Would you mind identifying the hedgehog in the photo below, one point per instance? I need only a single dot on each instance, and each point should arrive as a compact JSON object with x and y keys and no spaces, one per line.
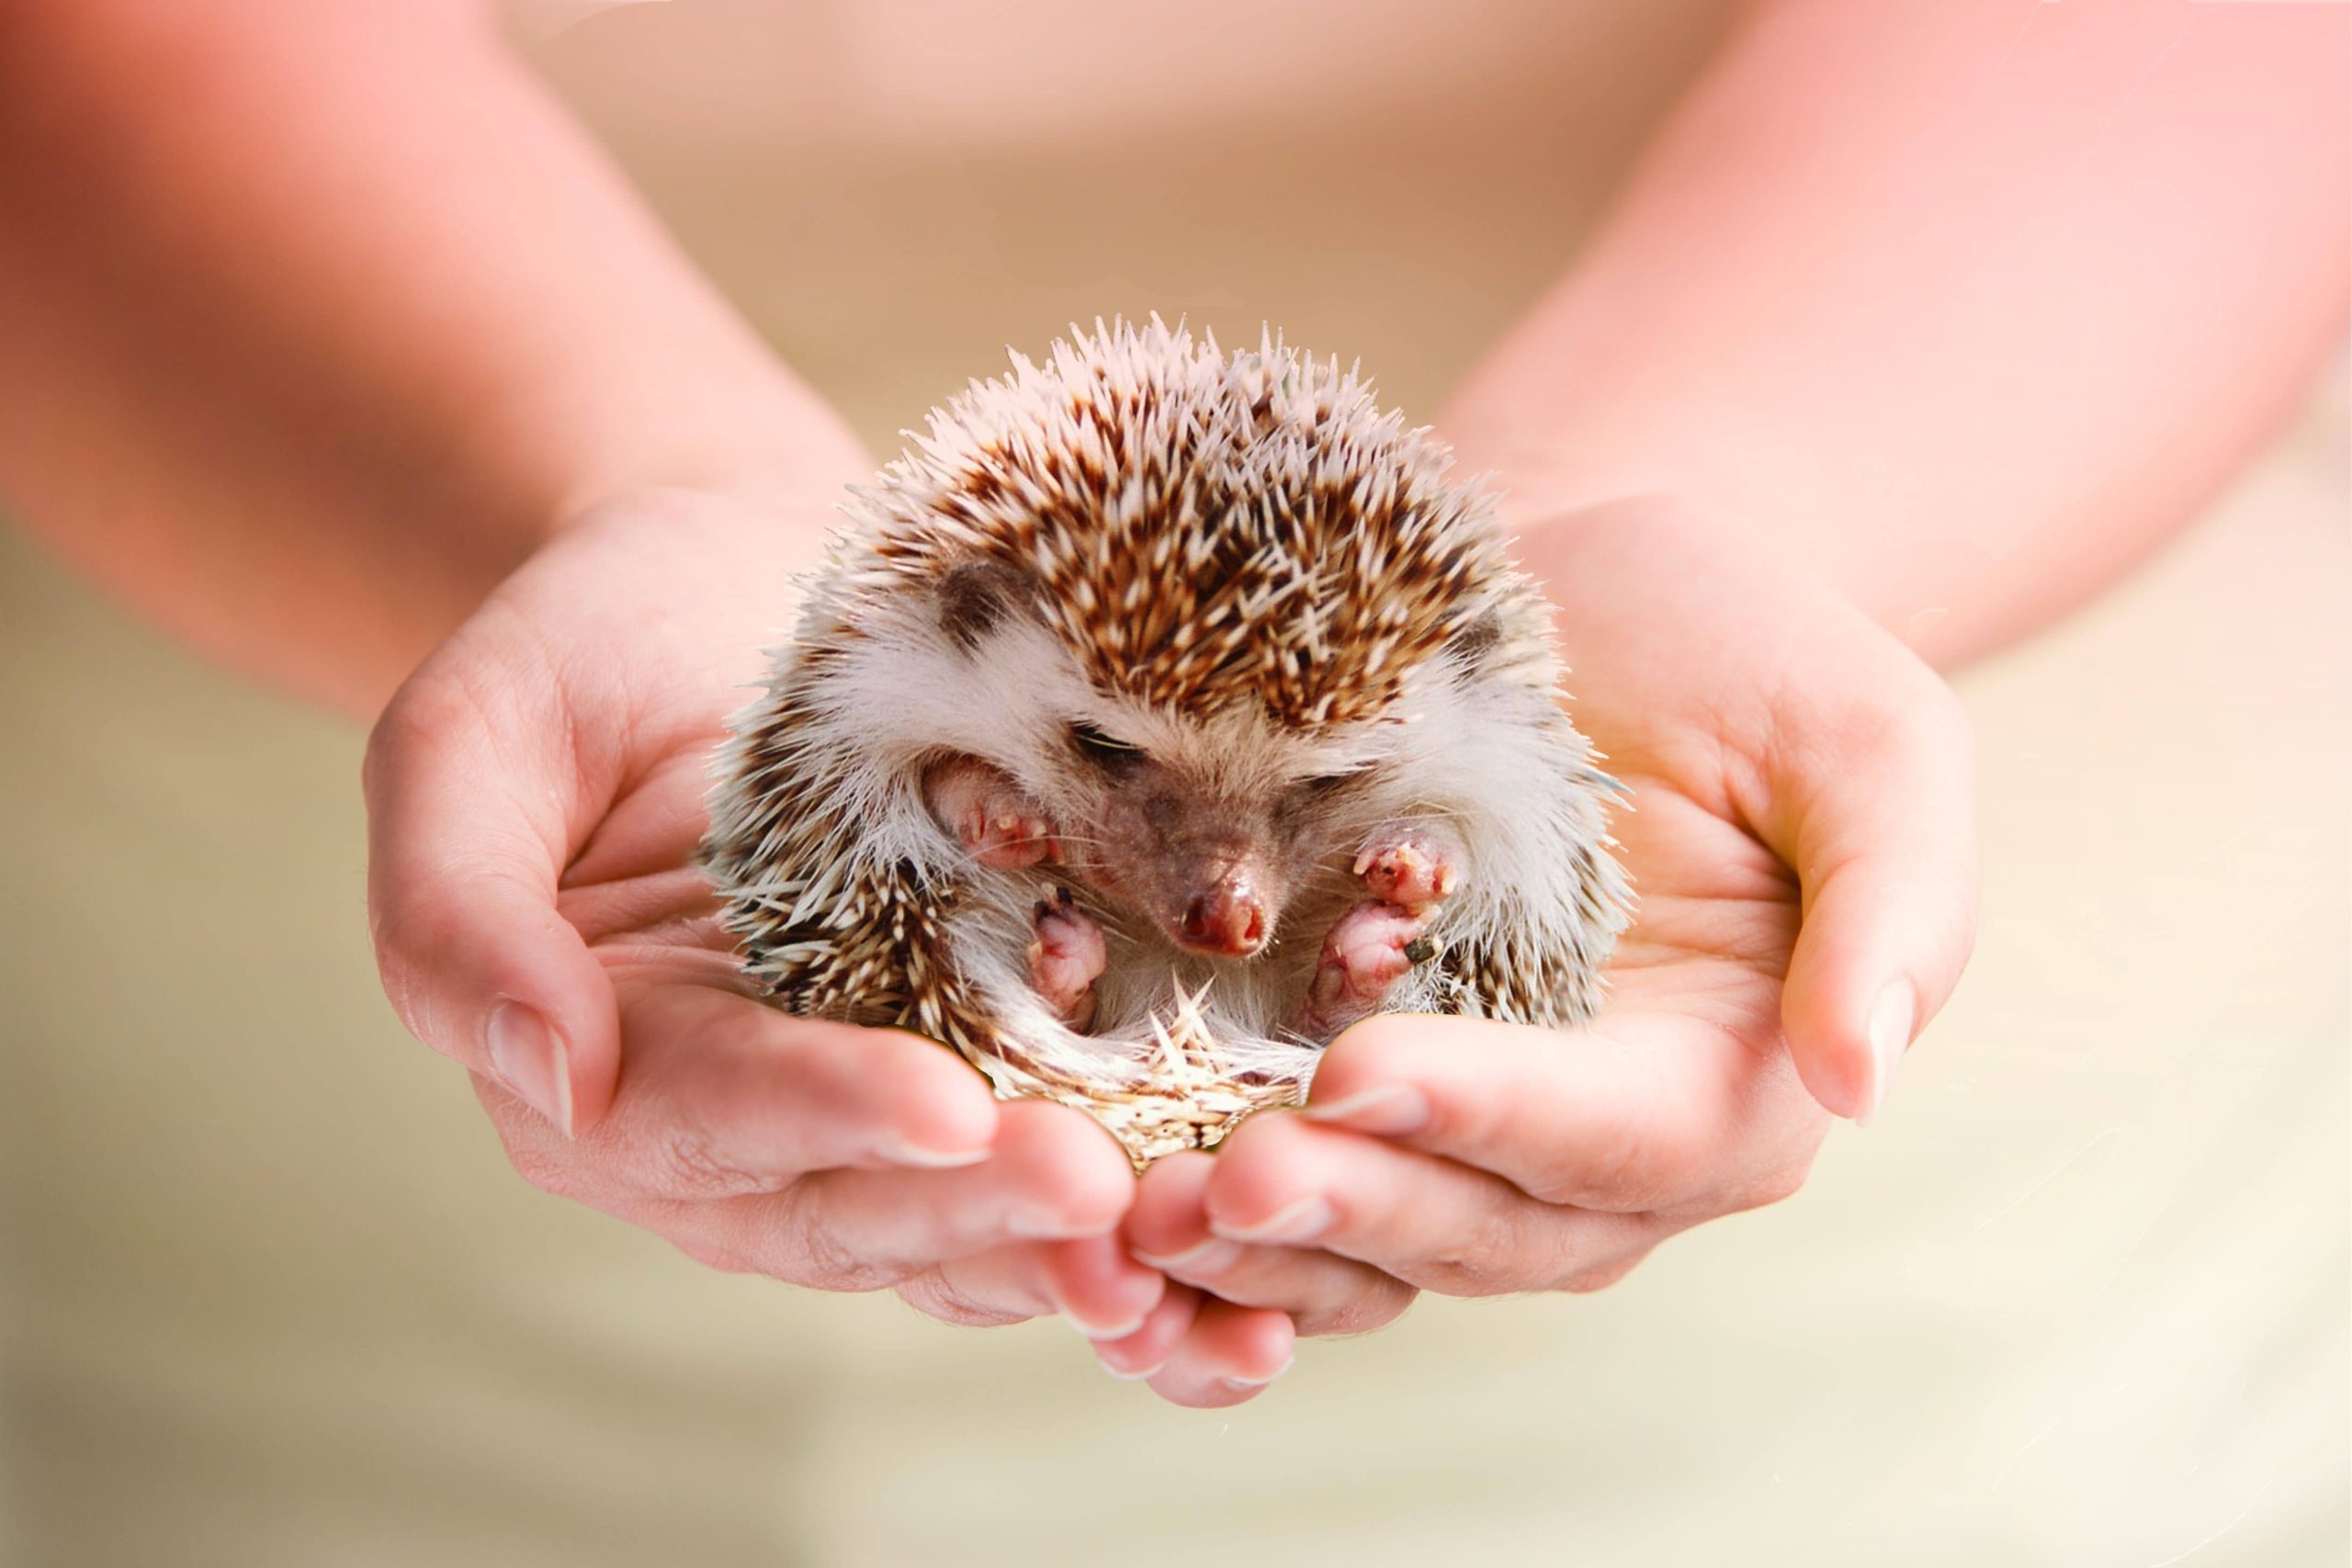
{"x":1155,"y":717}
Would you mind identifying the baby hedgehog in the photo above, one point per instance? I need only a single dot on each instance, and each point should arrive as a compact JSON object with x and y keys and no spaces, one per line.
{"x":1157,"y":717}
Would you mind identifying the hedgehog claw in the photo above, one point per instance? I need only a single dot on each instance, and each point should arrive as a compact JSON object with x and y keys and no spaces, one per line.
{"x":1067,"y":955}
{"x":1365,"y":951}
{"x":1411,"y":866}
{"x":996,"y":824}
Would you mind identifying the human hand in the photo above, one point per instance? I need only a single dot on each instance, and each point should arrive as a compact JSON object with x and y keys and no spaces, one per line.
{"x":535,"y":798}
{"x":1800,"y":840}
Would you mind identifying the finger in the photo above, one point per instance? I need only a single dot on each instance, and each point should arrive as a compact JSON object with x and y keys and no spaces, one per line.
{"x":1322,"y":1292}
{"x":1092,"y":1283}
{"x":721,"y":1095}
{"x":987,"y":1289}
{"x":1168,"y":1220}
{"x":470,"y":797}
{"x":1102,"y":1291}
{"x":1882,"y":832}
{"x":1051,"y":1174}
{"x":1228,"y":1356}
{"x":1140,"y":1355}
{"x":1281,"y":1181}
{"x":1630,"y":1114}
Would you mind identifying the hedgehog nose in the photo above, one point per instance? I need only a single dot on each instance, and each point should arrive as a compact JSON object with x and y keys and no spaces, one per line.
{"x":1227,"y":919}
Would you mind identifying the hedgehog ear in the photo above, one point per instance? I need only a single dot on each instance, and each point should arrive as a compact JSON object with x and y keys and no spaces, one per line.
{"x":976,"y":597}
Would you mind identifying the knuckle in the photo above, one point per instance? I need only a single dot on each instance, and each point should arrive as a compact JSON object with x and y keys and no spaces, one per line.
{"x":1622,"y":1165}
{"x":1361,"y":1312}
{"x":1472,"y":1260}
{"x":412,"y":913}
{"x":1450,"y":1274}
{"x":811,"y":1251}
{"x":390,"y":739}
{"x":1773,"y":1183}
{"x":415,"y":723}
{"x":686,"y":1160}
{"x":710,"y":1254}
{"x":408,"y":986}
{"x":1921,"y":718}
{"x":546,"y":1169}
{"x":1892,"y":710}
{"x":1938,"y":721}
{"x":409,"y":927}
{"x":1219,"y":1274}
{"x":934,"y":1295}
{"x":1585,"y":1281}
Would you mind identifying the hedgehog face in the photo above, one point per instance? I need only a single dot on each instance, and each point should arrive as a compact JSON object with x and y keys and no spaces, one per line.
{"x":1203,"y":824}
{"x":1171,"y":832}
{"x":1159,"y":594}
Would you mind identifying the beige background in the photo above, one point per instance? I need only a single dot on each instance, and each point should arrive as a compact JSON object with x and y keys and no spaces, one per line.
{"x":268,"y":1295}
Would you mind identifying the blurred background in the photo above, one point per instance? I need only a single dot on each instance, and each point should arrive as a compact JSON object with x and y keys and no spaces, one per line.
{"x":269,"y":1294}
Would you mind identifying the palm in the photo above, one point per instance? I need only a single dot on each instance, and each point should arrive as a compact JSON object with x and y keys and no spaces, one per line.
{"x":538,"y":799}
{"x":1796,"y":828}
{"x":1713,"y":930}
{"x":1769,"y":736}
{"x":645,"y":672}
{"x":635,"y":894}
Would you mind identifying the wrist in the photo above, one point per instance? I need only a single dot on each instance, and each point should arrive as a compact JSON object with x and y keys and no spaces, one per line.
{"x":1595,"y":546}
{"x":765,"y":442}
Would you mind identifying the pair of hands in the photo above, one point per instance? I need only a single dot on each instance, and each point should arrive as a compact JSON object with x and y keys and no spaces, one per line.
{"x":1798,"y":836}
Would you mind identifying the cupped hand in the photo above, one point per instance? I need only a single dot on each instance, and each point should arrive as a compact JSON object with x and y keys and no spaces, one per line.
{"x":536,"y":796}
{"x":1800,"y":831}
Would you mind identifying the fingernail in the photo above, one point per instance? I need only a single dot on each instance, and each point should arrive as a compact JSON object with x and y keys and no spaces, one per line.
{"x":1213,"y":1255}
{"x":1391,"y":1110}
{"x":1137,"y":1376}
{"x":898,"y":1151}
{"x":1259,"y":1382}
{"x":1053,"y":1227}
{"x":1103,"y":1332}
{"x":1891,"y":1018}
{"x":1301,"y":1222}
{"x":530,"y":1059}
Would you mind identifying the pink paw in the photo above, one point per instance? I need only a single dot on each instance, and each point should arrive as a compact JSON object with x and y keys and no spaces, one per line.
{"x":1365,"y":951}
{"x":996,"y":824}
{"x":1067,"y":955}
{"x":1412,"y":866}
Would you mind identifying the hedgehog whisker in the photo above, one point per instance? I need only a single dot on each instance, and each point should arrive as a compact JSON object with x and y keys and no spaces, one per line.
{"x":970,"y":858}
{"x":1388,"y":818}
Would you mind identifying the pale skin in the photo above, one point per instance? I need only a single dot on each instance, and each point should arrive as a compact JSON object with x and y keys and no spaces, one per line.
{"x":1916,"y":325}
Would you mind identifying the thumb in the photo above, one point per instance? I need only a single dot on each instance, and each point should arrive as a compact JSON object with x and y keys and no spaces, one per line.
{"x":469,"y":808}
{"x":1883,"y":839}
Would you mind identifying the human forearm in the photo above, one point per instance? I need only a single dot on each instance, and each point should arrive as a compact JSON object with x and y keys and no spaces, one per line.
{"x":1966,"y":306}
{"x":319,"y":317}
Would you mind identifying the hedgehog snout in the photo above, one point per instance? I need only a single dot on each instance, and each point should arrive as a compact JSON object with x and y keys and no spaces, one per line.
{"x":1221,"y":899}
{"x":1228,"y":918}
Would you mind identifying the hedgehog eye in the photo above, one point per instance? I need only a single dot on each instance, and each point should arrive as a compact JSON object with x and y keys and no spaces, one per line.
{"x":1101,"y":747}
{"x":1324,"y":783}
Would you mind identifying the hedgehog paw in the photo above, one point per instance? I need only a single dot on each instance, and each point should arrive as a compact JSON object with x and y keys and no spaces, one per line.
{"x":996,"y":823}
{"x":1365,"y":951}
{"x":1410,"y":865}
{"x":1065,"y":957}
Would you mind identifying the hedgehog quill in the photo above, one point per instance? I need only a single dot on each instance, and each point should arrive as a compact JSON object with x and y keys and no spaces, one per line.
{"x":1158,"y":716}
